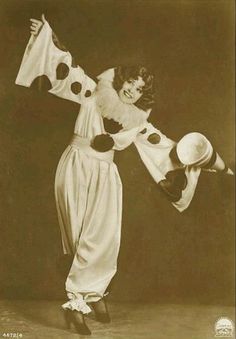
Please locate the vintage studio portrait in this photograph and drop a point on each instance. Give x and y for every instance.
(117, 169)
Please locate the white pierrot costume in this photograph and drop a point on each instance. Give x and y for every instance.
(88, 188)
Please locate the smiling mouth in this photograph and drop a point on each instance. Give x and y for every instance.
(128, 95)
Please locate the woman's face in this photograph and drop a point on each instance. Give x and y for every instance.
(131, 90)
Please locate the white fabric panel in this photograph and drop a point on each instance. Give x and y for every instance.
(192, 174)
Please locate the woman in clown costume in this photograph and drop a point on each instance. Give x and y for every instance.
(113, 114)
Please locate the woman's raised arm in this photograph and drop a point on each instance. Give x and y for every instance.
(47, 61)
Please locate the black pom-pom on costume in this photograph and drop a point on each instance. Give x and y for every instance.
(174, 184)
(111, 126)
(102, 143)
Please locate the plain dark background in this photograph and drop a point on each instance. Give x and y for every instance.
(165, 256)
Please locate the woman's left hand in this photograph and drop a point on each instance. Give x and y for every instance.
(36, 25)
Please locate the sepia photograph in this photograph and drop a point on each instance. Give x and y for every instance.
(117, 176)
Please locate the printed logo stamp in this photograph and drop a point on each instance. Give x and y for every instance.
(224, 328)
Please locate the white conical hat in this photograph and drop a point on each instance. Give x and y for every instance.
(219, 165)
(194, 149)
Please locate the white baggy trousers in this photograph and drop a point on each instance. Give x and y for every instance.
(88, 194)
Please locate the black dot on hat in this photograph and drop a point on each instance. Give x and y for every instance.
(62, 71)
(42, 83)
(87, 93)
(154, 138)
(144, 131)
(76, 87)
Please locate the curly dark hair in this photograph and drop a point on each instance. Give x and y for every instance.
(124, 73)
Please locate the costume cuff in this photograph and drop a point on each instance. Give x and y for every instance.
(77, 304)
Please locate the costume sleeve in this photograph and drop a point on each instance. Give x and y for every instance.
(45, 59)
(124, 138)
(154, 149)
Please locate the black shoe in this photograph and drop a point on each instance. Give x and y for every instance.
(77, 319)
(101, 311)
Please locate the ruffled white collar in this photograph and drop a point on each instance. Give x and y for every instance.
(111, 107)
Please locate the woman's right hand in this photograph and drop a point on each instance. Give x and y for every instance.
(36, 25)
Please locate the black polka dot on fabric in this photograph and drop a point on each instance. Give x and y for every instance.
(87, 93)
(62, 71)
(76, 87)
(41, 83)
(154, 138)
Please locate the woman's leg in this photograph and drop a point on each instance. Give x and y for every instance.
(71, 180)
(95, 260)
(89, 204)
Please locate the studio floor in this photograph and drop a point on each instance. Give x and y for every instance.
(44, 319)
